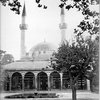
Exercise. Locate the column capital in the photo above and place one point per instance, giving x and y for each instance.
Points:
(61, 74)
(10, 74)
(23, 74)
(48, 73)
(35, 73)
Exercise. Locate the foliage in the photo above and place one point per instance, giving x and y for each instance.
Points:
(5, 58)
(86, 25)
(40, 5)
(79, 59)
(1, 53)
(79, 4)
(14, 5)
(90, 23)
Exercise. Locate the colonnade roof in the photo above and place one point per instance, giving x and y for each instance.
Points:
(36, 65)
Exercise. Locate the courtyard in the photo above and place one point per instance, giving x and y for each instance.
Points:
(61, 95)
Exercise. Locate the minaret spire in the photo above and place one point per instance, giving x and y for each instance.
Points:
(24, 10)
(23, 27)
(62, 11)
(63, 27)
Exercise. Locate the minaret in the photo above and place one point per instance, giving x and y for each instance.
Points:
(23, 27)
(63, 27)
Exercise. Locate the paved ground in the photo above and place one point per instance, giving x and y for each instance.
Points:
(63, 95)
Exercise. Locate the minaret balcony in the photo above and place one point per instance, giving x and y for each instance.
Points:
(23, 26)
(62, 26)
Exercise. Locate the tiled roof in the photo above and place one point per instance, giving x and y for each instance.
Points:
(35, 65)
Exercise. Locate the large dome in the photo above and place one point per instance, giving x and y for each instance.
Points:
(42, 51)
(44, 46)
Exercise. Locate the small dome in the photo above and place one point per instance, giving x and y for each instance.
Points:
(42, 51)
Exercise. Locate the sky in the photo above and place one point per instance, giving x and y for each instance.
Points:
(43, 24)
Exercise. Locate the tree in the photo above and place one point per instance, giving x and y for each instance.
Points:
(5, 58)
(14, 5)
(1, 53)
(77, 59)
(89, 25)
(95, 79)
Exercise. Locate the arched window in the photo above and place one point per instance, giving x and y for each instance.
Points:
(29, 81)
(55, 82)
(42, 80)
(66, 80)
(16, 81)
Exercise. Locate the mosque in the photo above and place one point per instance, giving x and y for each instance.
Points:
(32, 71)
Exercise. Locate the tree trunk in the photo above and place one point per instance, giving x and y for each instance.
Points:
(91, 85)
(73, 92)
(73, 87)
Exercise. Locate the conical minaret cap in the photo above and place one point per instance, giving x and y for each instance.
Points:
(24, 11)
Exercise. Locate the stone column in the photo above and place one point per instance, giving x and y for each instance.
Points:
(88, 85)
(10, 76)
(23, 74)
(61, 80)
(48, 80)
(10, 84)
(35, 73)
